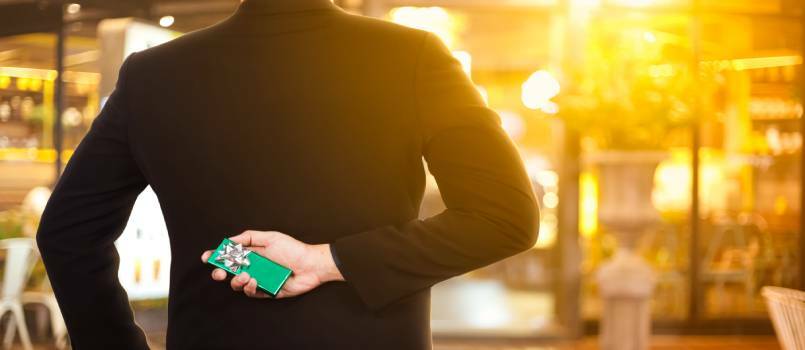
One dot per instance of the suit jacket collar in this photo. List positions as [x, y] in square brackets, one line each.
[285, 6]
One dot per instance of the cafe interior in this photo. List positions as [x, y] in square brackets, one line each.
[666, 130]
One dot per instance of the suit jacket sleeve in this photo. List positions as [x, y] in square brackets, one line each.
[491, 210]
[85, 215]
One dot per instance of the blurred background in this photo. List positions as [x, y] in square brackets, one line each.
[669, 131]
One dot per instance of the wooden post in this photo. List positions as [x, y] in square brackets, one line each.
[802, 155]
[58, 137]
[694, 312]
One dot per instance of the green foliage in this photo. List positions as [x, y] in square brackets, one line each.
[10, 224]
[634, 89]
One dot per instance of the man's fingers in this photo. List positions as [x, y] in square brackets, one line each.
[251, 290]
[218, 275]
[251, 287]
[242, 282]
[206, 256]
[238, 282]
[254, 238]
[286, 292]
[244, 238]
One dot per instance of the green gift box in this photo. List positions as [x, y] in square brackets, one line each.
[233, 258]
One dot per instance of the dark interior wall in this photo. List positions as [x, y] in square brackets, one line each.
[28, 17]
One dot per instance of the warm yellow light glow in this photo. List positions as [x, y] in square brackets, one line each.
[465, 59]
[588, 216]
[23, 83]
[586, 4]
[765, 62]
[538, 91]
[774, 108]
[672, 182]
[671, 191]
[32, 154]
[649, 37]
[73, 8]
[49, 75]
[35, 85]
[18, 72]
[484, 93]
[36, 200]
[48, 104]
[547, 231]
[780, 205]
[551, 200]
[550, 107]
[661, 70]
[5, 81]
[166, 21]
[512, 123]
[548, 181]
[80, 58]
[433, 19]
[755, 62]
[633, 3]
[548, 178]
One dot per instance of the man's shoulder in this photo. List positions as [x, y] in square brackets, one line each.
[380, 25]
[181, 45]
[369, 32]
[375, 28]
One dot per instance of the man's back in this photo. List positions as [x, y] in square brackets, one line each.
[292, 116]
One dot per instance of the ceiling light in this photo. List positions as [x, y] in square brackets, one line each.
[73, 8]
[166, 21]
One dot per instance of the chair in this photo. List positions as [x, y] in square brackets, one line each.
[787, 311]
[20, 259]
[33, 206]
[46, 298]
[734, 255]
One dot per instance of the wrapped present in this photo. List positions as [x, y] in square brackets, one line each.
[234, 258]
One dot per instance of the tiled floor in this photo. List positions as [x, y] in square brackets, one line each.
[455, 308]
[658, 343]
[154, 324]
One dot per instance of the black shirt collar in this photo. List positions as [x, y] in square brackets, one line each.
[285, 6]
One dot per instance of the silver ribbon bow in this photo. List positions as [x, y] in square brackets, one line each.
[234, 256]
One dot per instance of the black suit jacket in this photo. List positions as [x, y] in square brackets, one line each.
[294, 116]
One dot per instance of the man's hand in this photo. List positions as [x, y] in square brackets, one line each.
[312, 265]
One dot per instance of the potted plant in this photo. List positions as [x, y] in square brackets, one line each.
[632, 99]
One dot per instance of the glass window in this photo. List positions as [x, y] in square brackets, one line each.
[751, 163]
[27, 104]
[632, 103]
[516, 296]
[642, 90]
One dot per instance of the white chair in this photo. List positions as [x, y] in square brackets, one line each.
[787, 311]
[32, 208]
[21, 256]
[46, 298]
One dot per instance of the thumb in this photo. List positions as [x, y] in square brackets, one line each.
[252, 238]
[245, 238]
